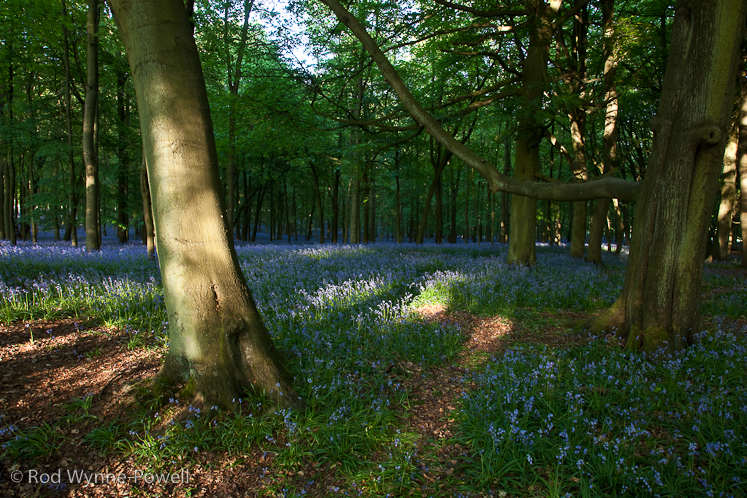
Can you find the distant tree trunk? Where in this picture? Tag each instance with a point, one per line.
(147, 211)
(258, 212)
(466, 208)
(217, 341)
(366, 214)
(335, 206)
(728, 199)
(248, 209)
(10, 170)
(504, 196)
(439, 163)
(372, 213)
(397, 211)
(453, 207)
(90, 152)
(318, 197)
(354, 227)
(660, 302)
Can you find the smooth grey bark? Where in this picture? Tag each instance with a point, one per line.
(218, 341)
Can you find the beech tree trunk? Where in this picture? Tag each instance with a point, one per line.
(218, 342)
(660, 302)
(90, 149)
(523, 216)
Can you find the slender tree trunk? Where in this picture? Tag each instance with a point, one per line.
(438, 168)
(397, 211)
(218, 342)
(660, 302)
(258, 212)
(10, 169)
(90, 152)
(335, 205)
(318, 196)
(453, 207)
(504, 195)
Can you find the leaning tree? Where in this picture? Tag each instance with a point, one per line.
(660, 301)
(218, 342)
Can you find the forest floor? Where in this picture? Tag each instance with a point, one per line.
(50, 366)
(72, 422)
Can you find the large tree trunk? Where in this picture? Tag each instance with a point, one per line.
(90, 152)
(523, 217)
(660, 302)
(218, 341)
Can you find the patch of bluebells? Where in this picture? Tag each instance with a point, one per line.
(615, 419)
(118, 284)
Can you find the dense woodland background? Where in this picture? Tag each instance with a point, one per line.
(323, 142)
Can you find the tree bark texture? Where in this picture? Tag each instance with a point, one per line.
(218, 341)
(660, 302)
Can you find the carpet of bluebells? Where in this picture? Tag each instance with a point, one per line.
(594, 420)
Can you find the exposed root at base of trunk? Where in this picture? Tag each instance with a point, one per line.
(611, 321)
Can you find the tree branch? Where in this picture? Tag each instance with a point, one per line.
(606, 187)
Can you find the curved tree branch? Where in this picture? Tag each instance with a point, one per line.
(595, 189)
